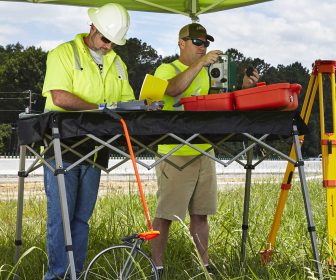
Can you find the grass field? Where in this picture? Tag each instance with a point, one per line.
(119, 213)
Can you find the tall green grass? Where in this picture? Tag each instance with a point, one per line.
(119, 214)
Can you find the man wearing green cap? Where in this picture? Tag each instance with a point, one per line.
(195, 187)
(81, 75)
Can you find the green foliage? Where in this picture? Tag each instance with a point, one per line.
(293, 73)
(5, 132)
(23, 69)
(170, 58)
(140, 59)
(243, 62)
(119, 213)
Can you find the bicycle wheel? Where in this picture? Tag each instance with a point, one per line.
(120, 263)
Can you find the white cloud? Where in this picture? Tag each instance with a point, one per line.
(161, 52)
(281, 32)
(7, 32)
(48, 45)
(34, 23)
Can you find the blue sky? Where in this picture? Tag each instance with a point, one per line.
(280, 31)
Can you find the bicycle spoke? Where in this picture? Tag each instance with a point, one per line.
(121, 263)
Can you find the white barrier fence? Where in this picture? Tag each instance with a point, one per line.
(228, 178)
(9, 168)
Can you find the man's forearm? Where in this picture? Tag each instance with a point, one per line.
(179, 83)
(70, 102)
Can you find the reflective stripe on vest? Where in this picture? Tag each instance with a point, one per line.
(177, 71)
(76, 56)
(177, 105)
(120, 69)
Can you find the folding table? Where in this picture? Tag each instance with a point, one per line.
(147, 129)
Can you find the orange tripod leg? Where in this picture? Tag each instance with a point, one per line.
(328, 148)
(266, 255)
(329, 183)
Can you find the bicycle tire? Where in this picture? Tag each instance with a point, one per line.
(110, 263)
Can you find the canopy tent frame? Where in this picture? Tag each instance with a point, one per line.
(194, 13)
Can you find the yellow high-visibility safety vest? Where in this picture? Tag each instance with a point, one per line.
(70, 67)
(199, 86)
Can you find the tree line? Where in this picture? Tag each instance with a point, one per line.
(22, 73)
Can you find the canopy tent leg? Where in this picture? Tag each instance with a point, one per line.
(306, 200)
(59, 172)
(22, 174)
(247, 195)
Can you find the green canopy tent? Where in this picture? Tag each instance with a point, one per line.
(190, 8)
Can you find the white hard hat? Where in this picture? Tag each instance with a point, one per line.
(112, 20)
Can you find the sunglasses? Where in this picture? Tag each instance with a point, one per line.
(103, 38)
(199, 42)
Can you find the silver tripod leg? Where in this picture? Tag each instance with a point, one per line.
(304, 189)
(248, 175)
(19, 211)
(59, 172)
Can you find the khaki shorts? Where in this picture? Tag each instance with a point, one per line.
(194, 188)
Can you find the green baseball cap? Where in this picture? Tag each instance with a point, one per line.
(194, 30)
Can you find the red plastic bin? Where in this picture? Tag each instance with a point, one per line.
(211, 102)
(281, 96)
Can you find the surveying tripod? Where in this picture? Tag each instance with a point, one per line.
(328, 147)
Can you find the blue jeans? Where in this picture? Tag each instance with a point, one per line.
(81, 184)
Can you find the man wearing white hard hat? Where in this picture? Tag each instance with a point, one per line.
(81, 75)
